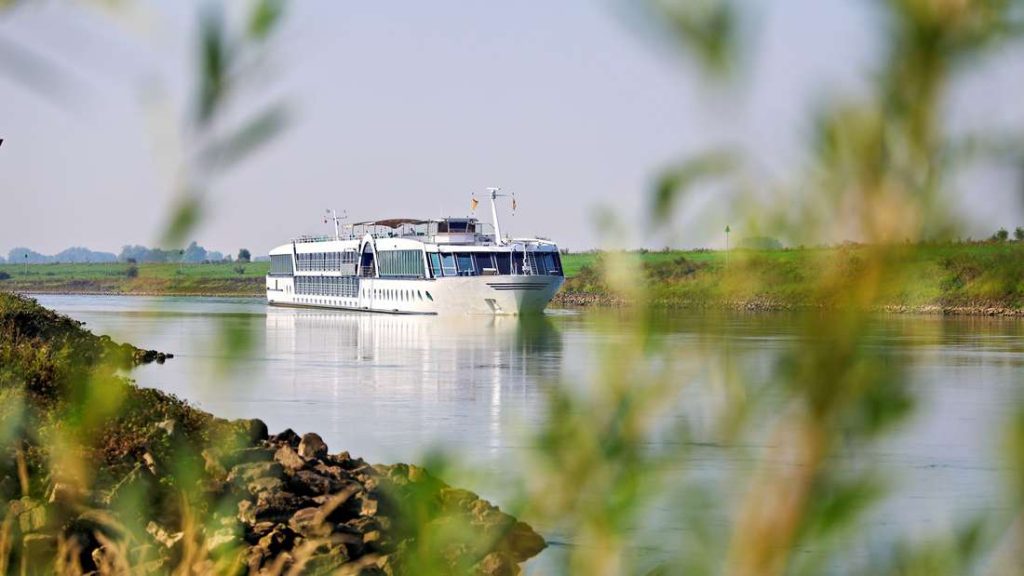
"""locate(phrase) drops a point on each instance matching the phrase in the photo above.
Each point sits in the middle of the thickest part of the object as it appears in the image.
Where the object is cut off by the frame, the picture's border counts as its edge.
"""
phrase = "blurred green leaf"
(707, 28)
(676, 182)
(214, 61)
(264, 17)
(185, 215)
(255, 133)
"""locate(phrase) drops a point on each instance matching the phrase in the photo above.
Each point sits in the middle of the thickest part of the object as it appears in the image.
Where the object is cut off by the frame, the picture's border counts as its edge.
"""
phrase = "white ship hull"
(491, 295)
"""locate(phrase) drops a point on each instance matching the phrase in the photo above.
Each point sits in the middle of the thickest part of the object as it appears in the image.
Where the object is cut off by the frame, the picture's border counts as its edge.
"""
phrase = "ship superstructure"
(411, 266)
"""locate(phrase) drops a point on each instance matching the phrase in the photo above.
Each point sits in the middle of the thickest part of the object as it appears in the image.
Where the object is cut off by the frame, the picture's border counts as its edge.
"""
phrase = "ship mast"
(333, 215)
(495, 193)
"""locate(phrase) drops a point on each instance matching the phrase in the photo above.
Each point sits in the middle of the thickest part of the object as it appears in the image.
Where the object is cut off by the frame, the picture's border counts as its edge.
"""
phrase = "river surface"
(396, 388)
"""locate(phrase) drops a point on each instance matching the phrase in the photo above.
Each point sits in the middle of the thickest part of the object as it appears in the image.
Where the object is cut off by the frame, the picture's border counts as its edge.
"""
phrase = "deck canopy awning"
(392, 222)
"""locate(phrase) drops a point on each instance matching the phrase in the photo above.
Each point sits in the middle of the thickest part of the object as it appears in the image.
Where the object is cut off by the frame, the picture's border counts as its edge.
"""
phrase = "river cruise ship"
(409, 266)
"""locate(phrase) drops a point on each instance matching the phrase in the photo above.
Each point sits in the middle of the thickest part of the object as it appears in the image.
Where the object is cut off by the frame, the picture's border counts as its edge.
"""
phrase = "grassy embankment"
(981, 277)
(100, 476)
(230, 279)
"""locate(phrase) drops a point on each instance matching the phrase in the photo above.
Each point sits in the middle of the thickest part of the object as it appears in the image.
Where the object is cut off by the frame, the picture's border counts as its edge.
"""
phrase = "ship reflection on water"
(390, 387)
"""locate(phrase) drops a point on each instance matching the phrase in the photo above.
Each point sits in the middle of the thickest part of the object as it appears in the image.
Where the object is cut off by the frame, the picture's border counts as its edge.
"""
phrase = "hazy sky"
(406, 108)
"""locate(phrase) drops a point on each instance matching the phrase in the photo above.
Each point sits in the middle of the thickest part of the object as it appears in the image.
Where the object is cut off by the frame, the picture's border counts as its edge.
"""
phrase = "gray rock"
(248, 456)
(213, 466)
(287, 457)
(521, 542)
(288, 436)
(335, 472)
(265, 484)
(255, 430)
(277, 540)
(367, 505)
(255, 558)
(310, 523)
(312, 446)
(259, 530)
(277, 506)
(244, 474)
(247, 512)
(313, 484)
(327, 559)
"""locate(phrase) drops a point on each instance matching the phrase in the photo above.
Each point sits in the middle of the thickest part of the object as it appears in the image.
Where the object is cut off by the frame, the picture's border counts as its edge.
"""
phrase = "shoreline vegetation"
(962, 278)
(99, 475)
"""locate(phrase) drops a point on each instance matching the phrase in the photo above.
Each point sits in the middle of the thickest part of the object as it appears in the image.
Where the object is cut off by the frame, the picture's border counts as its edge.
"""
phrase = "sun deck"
(464, 231)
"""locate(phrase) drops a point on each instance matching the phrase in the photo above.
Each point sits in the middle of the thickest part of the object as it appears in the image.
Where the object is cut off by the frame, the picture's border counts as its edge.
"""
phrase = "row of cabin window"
(401, 295)
(409, 263)
(503, 263)
(344, 286)
(324, 261)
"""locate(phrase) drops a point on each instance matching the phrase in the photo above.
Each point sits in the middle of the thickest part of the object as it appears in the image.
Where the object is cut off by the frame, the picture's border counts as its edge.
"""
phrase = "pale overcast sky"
(406, 108)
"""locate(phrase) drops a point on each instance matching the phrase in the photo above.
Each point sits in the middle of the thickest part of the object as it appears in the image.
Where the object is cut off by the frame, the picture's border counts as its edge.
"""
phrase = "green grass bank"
(954, 278)
(965, 278)
(221, 279)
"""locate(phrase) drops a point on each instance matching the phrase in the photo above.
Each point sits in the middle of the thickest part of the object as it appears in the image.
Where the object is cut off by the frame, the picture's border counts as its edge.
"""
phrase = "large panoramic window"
(435, 264)
(549, 263)
(400, 263)
(448, 264)
(503, 260)
(483, 261)
(465, 260)
(459, 226)
(281, 265)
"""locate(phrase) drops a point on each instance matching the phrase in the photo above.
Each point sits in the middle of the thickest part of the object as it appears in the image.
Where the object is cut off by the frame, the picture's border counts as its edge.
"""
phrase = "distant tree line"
(72, 255)
(136, 254)
(1002, 235)
(193, 254)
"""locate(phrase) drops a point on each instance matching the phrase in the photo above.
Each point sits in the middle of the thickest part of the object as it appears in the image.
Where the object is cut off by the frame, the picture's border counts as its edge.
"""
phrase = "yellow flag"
(475, 202)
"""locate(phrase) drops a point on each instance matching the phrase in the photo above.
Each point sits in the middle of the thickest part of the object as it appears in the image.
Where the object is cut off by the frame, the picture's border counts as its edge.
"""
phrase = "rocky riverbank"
(100, 476)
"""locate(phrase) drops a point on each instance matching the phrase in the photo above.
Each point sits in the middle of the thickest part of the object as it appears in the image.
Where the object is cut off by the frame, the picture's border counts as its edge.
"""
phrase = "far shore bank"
(952, 278)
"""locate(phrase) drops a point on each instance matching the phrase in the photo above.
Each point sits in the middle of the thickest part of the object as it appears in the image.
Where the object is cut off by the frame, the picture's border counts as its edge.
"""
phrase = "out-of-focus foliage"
(709, 29)
(880, 164)
(228, 57)
(674, 183)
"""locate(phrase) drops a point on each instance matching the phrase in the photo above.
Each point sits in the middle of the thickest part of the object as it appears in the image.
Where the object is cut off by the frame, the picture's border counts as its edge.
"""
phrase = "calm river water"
(391, 388)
